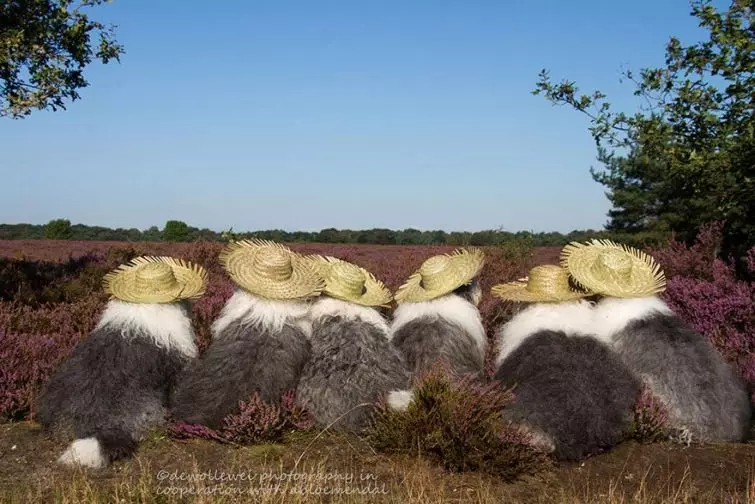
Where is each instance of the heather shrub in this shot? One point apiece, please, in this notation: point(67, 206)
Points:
point(33, 342)
point(704, 291)
point(256, 422)
point(460, 425)
point(37, 282)
point(650, 418)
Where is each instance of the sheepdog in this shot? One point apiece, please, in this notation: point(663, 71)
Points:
point(353, 365)
point(446, 330)
point(572, 392)
point(706, 399)
point(259, 346)
point(114, 386)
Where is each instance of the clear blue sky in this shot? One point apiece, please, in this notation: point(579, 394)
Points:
point(303, 115)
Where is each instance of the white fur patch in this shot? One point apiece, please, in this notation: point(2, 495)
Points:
point(258, 312)
point(399, 400)
point(167, 324)
point(572, 317)
point(326, 306)
point(451, 308)
point(85, 452)
point(611, 315)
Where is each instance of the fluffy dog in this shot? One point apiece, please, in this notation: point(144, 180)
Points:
point(706, 399)
point(114, 386)
point(259, 345)
point(572, 392)
point(353, 364)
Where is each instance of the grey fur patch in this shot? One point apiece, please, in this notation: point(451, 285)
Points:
point(426, 341)
point(701, 391)
point(572, 388)
point(240, 361)
point(352, 363)
point(114, 387)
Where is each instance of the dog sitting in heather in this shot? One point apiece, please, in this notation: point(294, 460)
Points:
point(573, 394)
point(437, 321)
point(353, 365)
point(705, 398)
point(261, 339)
point(114, 386)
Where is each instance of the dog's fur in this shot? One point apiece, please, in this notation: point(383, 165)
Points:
point(114, 386)
point(258, 346)
point(447, 330)
point(353, 363)
point(703, 393)
point(572, 392)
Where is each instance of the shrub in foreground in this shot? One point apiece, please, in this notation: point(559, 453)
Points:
point(256, 422)
point(650, 418)
point(460, 425)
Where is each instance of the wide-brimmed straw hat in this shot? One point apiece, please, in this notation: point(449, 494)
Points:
point(544, 284)
point(270, 270)
point(149, 279)
point(612, 269)
point(440, 275)
point(349, 282)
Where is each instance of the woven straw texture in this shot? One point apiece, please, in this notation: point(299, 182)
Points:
point(613, 269)
point(544, 284)
point(440, 275)
point(349, 282)
point(271, 270)
point(150, 279)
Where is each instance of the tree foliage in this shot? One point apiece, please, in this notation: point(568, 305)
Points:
point(176, 231)
point(687, 156)
point(45, 45)
point(58, 229)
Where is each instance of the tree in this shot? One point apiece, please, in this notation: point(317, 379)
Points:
point(58, 229)
point(176, 231)
point(45, 45)
point(686, 157)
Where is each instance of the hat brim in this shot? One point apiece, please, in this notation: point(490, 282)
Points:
point(375, 292)
point(466, 265)
point(646, 278)
point(237, 260)
point(517, 291)
point(121, 283)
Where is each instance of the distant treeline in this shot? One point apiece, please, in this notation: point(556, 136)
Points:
point(177, 231)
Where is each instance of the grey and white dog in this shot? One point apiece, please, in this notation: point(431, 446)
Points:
point(258, 345)
point(706, 399)
point(446, 331)
point(353, 364)
point(572, 392)
point(114, 386)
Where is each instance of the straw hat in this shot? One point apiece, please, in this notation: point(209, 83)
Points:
point(349, 282)
point(612, 269)
point(270, 270)
point(545, 284)
point(440, 275)
point(149, 279)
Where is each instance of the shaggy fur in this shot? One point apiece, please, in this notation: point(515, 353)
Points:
point(353, 364)
point(114, 386)
point(448, 329)
point(259, 346)
point(572, 393)
point(703, 394)
point(568, 317)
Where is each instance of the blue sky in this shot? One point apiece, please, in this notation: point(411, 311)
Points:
point(304, 115)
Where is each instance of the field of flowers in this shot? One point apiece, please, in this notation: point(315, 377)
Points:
point(50, 299)
point(50, 296)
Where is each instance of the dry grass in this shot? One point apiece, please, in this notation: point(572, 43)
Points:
point(338, 469)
